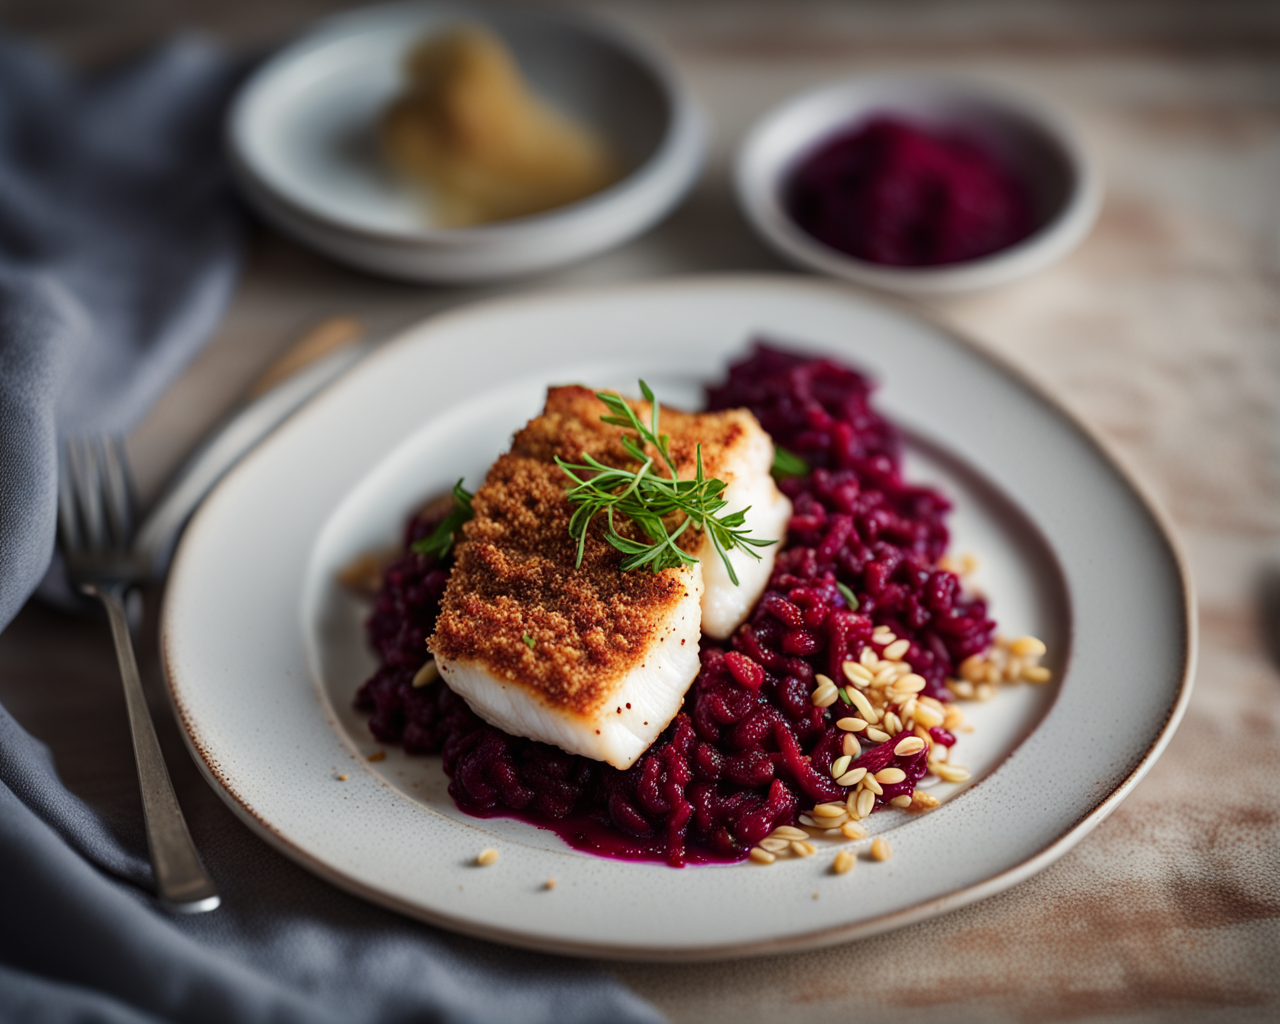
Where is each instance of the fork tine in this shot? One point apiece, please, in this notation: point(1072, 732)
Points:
point(116, 493)
point(94, 494)
point(87, 488)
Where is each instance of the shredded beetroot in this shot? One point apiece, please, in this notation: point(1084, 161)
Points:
point(890, 192)
point(749, 749)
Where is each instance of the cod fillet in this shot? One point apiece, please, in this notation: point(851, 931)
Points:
point(592, 659)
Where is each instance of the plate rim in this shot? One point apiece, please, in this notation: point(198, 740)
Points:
point(1187, 632)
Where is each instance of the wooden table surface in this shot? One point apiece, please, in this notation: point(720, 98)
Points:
point(1162, 332)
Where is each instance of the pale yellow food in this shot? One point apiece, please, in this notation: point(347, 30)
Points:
point(469, 129)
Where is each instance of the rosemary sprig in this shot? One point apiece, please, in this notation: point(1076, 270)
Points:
point(440, 540)
point(648, 500)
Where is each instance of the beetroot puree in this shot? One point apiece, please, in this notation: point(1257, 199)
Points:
point(889, 192)
point(749, 749)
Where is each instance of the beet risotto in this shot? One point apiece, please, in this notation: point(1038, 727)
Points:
point(830, 701)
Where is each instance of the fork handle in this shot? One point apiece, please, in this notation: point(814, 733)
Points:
point(181, 880)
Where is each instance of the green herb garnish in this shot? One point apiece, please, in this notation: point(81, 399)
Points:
point(787, 464)
point(441, 538)
point(531, 641)
point(648, 500)
point(849, 598)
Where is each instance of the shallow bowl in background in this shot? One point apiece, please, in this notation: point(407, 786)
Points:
point(1035, 143)
point(303, 138)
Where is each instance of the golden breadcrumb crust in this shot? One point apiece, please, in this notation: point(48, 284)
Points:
point(515, 577)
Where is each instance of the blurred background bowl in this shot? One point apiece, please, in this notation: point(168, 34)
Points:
point(303, 138)
point(1037, 145)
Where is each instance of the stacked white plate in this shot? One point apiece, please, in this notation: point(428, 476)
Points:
point(303, 139)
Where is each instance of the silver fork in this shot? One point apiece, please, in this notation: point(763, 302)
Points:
point(95, 528)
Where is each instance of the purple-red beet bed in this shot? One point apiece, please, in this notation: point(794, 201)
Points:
point(749, 749)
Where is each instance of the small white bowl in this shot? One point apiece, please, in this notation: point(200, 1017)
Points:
point(1038, 145)
point(302, 135)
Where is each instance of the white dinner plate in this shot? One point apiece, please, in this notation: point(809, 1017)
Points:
point(263, 652)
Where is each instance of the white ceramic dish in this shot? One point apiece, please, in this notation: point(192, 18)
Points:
point(263, 652)
point(302, 134)
point(1065, 181)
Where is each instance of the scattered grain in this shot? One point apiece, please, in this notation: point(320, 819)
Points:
point(865, 710)
point(1028, 646)
point(856, 774)
point(951, 772)
point(897, 650)
point(427, 675)
point(857, 673)
point(921, 801)
point(843, 863)
point(880, 849)
point(761, 856)
point(910, 683)
point(487, 857)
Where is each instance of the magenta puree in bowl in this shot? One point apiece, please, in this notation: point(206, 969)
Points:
point(890, 192)
point(749, 749)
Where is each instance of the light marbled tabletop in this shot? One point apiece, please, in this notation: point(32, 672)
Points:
point(1162, 332)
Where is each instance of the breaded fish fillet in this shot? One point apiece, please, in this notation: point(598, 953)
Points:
point(589, 658)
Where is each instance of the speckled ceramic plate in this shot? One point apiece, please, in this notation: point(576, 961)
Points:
point(263, 651)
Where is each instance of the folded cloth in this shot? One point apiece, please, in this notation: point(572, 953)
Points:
point(76, 944)
point(119, 246)
point(118, 250)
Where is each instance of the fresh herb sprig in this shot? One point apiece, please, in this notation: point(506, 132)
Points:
point(787, 464)
point(649, 500)
point(440, 540)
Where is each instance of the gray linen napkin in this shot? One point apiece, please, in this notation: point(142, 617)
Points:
point(119, 247)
